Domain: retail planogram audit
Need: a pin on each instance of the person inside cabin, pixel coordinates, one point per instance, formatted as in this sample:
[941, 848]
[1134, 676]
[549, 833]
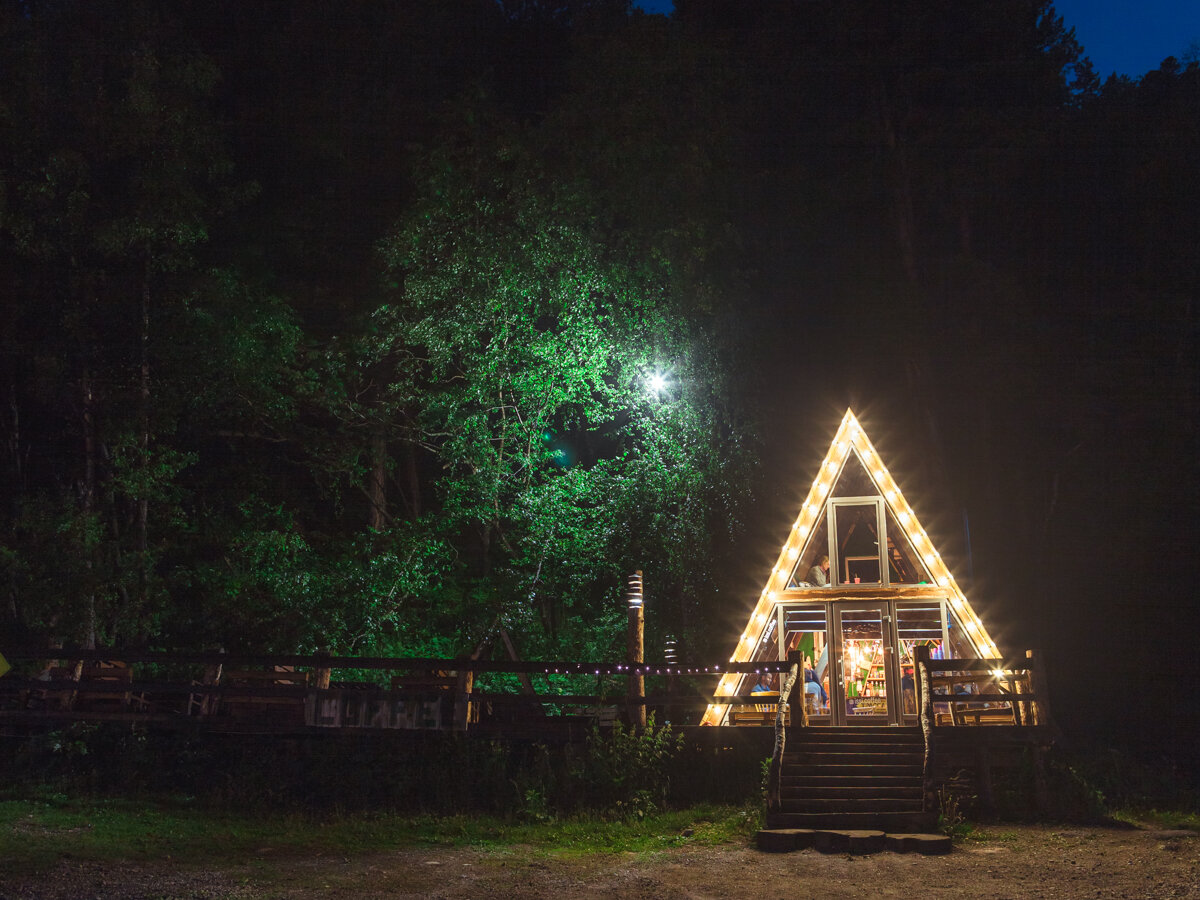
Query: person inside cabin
[812, 684]
[764, 684]
[818, 575]
[908, 691]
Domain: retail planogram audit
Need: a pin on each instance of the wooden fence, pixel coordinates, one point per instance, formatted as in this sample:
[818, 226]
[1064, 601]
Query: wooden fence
[320, 691]
[279, 692]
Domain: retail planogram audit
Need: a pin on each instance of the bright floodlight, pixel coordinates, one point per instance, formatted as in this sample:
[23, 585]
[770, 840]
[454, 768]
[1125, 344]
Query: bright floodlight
[656, 383]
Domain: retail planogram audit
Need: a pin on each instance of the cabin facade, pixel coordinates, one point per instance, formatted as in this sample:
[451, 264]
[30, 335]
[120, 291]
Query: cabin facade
[857, 588]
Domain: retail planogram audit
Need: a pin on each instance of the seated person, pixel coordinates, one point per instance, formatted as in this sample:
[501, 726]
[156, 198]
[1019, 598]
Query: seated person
[818, 575]
[764, 684]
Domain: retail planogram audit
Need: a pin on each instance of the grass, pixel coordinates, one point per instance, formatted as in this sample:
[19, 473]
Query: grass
[1171, 820]
[36, 833]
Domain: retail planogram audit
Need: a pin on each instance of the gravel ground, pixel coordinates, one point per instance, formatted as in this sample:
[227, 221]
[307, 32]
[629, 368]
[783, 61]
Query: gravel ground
[1007, 862]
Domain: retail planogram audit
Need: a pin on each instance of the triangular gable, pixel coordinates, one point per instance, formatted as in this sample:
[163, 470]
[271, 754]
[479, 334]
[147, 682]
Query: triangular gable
[850, 445]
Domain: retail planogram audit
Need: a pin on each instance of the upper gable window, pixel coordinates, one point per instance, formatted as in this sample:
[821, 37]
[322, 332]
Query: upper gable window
[854, 480]
[860, 537]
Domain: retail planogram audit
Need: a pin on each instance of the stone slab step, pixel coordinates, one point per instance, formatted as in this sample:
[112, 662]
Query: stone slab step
[891, 822]
[786, 840]
[925, 844]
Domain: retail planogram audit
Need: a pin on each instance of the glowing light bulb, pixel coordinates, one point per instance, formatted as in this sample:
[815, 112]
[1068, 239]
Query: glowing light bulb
[773, 596]
[903, 517]
[929, 558]
[792, 553]
[822, 489]
[891, 497]
[943, 581]
[803, 529]
[832, 467]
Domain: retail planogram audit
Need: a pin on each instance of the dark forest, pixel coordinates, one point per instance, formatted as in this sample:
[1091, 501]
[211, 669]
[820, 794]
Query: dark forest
[369, 328]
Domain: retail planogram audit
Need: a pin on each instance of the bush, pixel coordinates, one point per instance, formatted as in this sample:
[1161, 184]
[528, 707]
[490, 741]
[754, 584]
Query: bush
[625, 771]
[619, 772]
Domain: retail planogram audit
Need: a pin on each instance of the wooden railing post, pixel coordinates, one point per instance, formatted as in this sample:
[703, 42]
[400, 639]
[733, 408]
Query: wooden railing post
[796, 658]
[1037, 687]
[775, 770]
[322, 675]
[462, 699]
[924, 687]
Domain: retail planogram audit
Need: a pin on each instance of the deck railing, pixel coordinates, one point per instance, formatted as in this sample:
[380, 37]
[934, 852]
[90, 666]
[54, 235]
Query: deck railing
[453, 693]
[403, 692]
[987, 691]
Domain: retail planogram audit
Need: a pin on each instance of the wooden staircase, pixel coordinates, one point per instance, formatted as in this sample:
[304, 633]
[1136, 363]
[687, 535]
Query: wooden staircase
[855, 777]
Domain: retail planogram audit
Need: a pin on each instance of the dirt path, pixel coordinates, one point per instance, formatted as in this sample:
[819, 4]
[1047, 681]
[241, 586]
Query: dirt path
[1010, 862]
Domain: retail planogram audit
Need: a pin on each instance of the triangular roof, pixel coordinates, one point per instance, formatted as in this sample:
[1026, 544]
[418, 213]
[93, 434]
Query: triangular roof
[850, 443]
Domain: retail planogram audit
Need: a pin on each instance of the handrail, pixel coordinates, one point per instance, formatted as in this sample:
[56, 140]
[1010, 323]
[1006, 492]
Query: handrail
[776, 767]
[549, 667]
[924, 685]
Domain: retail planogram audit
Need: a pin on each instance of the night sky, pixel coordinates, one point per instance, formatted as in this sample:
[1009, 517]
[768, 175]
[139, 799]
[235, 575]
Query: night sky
[1126, 37]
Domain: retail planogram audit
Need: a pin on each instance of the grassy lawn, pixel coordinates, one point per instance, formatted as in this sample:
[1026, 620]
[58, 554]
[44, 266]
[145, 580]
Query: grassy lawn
[36, 833]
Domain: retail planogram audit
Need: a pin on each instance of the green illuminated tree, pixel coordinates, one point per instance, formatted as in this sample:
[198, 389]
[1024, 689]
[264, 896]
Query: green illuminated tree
[523, 342]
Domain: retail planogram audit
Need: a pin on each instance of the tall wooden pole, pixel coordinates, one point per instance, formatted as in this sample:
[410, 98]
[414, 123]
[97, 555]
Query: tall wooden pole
[637, 650]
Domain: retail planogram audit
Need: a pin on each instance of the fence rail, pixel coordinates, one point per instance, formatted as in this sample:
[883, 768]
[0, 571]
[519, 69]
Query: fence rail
[291, 690]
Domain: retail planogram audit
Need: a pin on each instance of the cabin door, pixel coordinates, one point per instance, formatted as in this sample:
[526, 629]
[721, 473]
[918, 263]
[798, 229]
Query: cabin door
[862, 689]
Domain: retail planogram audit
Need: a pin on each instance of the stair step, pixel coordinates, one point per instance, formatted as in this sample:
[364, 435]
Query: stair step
[805, 792]
[856, 732]
[835, 782]
[890, 822]
[819, 760]
[849, 805]
[853, 748]
[850, 769]
[836, 754]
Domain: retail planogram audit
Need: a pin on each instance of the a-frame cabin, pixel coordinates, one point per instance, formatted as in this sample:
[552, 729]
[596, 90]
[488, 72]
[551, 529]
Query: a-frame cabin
[857, 620]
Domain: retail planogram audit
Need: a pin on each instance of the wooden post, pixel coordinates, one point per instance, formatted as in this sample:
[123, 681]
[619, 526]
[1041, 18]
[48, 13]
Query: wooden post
[211, 678]
[637, 647]
[670, 654]
[923, 684]
[983, 768]
[796, 658]
[462, 699]
[1037, 686]
[775, 768]
[322, 675]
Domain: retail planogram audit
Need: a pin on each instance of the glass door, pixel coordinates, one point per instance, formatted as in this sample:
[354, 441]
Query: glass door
[864, 682]
[805, 631]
